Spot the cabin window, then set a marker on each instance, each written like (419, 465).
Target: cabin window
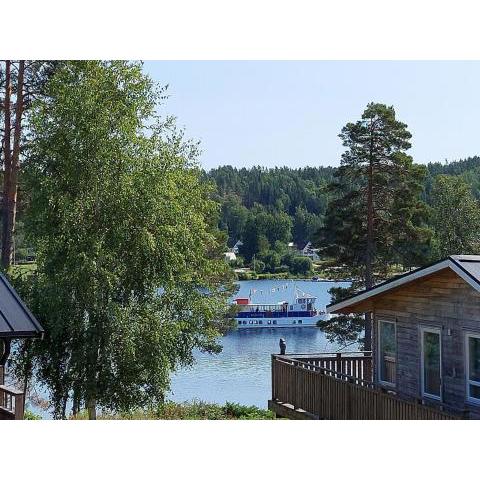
(473, 368)
(300, 321)
(431, 363)
(387, 349)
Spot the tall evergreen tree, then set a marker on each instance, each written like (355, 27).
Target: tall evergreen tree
(376, 206)
(21, 81)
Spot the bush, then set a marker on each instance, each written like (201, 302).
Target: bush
(271, 260)
(259, 266)
(28, 415)
(244, 276)
(238, 263)
(242, 412)
(195, 410)
(301, 266)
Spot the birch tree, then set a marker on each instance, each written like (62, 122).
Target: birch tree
(120, 213)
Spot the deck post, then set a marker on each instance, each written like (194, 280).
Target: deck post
(273, 377)
(3, 358)
(19, 406)
(2, 382)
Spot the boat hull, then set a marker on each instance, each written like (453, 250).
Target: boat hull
(281, 322)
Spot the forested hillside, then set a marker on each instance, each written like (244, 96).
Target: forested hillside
(267, 207)
(468, 169)
(297, 198)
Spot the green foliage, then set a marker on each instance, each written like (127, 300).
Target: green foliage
(306, 194)
(195, 410)
(118, 210)
(233, 217)
(271, 260)
(301, 266)
(306, 224)
(343, 329)
(242, 412)
(455, 217)
(263, 229)
(258, 266)
(375, 159)
(245, 276)
(28, 415)
(278, 204)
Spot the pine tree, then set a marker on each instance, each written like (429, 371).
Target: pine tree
(21, 81)
(376, 204)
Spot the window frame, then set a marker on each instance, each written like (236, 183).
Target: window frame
(469, 382)
(379, 356)
(437, 330)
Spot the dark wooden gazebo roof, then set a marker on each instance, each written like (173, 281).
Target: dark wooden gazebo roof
(16, 320)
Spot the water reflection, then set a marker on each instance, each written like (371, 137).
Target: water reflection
(241, 372)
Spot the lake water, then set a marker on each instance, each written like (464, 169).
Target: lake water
(241, 372)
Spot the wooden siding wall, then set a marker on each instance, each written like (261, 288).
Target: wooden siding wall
(444, 301)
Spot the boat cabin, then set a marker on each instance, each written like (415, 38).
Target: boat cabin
(425, 359)
(16, 322)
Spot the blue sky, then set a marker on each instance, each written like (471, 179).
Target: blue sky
(275, 113)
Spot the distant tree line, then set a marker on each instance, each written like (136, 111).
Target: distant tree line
(267, 208)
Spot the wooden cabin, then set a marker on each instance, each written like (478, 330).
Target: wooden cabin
(16, 322)
(425, 359)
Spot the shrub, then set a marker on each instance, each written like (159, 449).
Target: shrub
(301, 266)
(195, 410)
(29, 415)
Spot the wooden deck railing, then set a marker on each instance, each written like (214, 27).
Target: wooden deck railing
(11, 401)
(353, 367)
(339, 387)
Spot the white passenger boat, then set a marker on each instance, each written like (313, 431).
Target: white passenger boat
(300, 313)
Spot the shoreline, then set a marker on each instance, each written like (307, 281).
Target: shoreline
(295, 279)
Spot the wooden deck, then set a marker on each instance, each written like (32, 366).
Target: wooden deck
(11, 401)
(338, 386)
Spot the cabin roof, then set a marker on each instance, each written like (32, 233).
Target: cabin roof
(301, 245)
(16, 320)
(465, 266)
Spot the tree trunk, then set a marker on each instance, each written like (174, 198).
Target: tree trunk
(370, 248)
(92, 410)
(11, 176)
(7, 155)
